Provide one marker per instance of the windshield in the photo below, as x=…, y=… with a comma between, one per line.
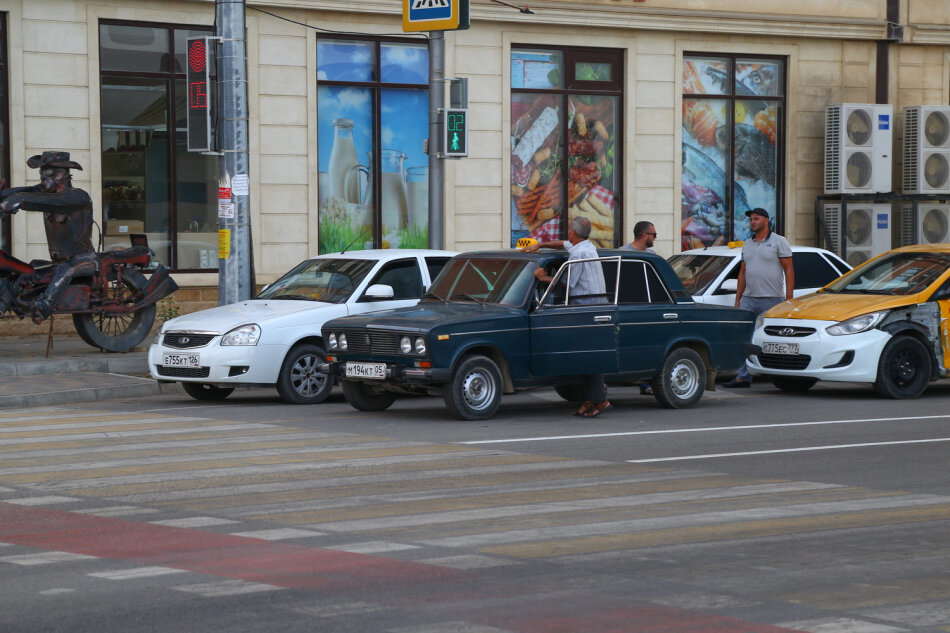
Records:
x=502, y=281
x=328, y=280
x=896, y=274
x=698, y=271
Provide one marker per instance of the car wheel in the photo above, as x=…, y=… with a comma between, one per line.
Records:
x=366, y=398
x=204, y=391
x=299, y=382
x=903, y=370
x=474, y=392
x=793, y=384
x=571, y=393
x=682, y=379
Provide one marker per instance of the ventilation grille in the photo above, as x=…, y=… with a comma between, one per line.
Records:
x=832, y=149
x=833, y=228
x=782, y=361
x=908, y=225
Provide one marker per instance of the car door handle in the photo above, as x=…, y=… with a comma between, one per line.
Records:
x=602, y=319
x=670, y=315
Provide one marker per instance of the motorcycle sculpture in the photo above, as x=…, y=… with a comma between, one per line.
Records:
x=110, y=299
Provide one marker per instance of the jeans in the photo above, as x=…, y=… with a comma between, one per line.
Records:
x=757, y=305
x=594, y=388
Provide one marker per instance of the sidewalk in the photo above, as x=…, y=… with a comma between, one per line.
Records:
x=73, y=372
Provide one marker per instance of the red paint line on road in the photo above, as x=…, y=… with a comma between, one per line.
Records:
x=278, y=564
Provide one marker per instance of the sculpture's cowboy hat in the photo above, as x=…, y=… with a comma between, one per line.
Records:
x=53, y=159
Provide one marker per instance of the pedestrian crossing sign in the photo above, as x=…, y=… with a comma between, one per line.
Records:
x=435, y=15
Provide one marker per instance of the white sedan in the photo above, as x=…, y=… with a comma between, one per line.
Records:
x=711, y=274
x=274, y=339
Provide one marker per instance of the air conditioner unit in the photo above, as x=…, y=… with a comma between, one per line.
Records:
x=858, y=141
x=933, y=223
x=927, y=149
x=866, y=232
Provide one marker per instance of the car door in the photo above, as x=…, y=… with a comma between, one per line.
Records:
x=403, y=276
x=569, y=339
x=648, y=317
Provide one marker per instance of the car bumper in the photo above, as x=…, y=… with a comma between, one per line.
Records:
x=849, y=358
x=394, y=373
x=234, y=365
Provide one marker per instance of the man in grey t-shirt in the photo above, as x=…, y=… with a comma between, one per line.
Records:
x=766, y=276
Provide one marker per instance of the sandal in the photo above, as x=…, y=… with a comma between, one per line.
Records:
x=585, y=408
x=646, y=390
x=598, y=409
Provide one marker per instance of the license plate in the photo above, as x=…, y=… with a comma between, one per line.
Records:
x=376, y=371
x=181, y=360
x=789, y=349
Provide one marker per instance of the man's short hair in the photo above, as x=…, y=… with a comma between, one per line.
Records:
x=581, y=226
x=640, y=228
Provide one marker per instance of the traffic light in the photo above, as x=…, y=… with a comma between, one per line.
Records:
x=198, y=104
x=455, y=142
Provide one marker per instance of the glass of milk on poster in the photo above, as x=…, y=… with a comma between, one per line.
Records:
x=418, y=186
x=392, y=185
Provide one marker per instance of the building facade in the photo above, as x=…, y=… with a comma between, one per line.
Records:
x=681, y=112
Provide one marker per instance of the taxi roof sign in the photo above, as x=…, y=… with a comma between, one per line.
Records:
x=435, y=15
x=525, y=242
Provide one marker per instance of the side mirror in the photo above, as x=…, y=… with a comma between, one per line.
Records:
x=729, y=286
x=378, y=292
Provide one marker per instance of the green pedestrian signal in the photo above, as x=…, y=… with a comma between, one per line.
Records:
x=456, y=133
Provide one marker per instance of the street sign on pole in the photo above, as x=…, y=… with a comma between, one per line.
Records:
x=198, y=107
x=435, y=15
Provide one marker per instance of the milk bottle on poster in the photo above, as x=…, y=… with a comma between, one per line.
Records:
x=343, y=163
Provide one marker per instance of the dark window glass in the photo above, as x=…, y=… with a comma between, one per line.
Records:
x=633, y=284
x=435, y=265
x=404, y=278
x=658, y=292
x=134, y=48
x=812, y=271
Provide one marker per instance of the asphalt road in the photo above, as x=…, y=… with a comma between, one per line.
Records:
x=755, y=511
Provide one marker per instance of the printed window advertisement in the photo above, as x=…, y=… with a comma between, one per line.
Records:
x=372, y=110
x=150, y=183
x=565, y=150
x=5, y=237
x=733, y=140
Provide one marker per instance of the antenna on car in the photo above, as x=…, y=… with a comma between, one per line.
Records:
x=355, y=239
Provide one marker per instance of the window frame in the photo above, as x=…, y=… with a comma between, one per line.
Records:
x=571, y=55
x=731, y=98
x=171, y=78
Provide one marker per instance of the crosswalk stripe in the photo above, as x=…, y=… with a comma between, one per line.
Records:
x=136, y=573
x=44, y=558
x=225, y=588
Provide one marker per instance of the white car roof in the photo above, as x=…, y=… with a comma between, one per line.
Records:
x=737, y=251
x=386, y=253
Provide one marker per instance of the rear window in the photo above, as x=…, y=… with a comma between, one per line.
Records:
x=697, y=272
x=812, y=270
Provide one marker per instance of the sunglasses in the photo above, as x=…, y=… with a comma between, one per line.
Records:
x=653, y=234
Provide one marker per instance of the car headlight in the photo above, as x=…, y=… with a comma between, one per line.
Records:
x=759, y=320
x=331, y=341
x=342, y=341
x=244, y=335
x=405, y=345
x=856, y=325
x=420, y=345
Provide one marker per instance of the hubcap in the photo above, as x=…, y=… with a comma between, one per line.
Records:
x=305, y=378
x=478, y=389
x=684, y=379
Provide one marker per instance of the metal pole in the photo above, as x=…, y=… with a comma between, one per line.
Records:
x=236, y=272
x=436, y=164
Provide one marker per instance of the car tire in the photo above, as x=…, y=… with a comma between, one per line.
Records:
x=205, y=392
x=903, y=369
x=474, y=392
x=299, y=382
x=571, y=393
x=363, y=397
x=681, y=381
x=793, y=384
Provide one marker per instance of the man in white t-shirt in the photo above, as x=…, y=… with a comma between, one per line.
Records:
x=644, y=234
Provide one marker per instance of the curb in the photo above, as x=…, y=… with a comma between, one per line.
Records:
x=56, y=393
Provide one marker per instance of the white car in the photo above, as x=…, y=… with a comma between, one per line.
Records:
x=711, y=274
x=274, y=339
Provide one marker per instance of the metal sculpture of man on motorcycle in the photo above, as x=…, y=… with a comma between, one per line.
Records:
x=112, y=304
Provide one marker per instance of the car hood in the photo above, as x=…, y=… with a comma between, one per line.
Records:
x=826, y=306
x=426, y=315
x=280, y=312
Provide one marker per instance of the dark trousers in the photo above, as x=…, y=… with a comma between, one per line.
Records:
x=594, y=389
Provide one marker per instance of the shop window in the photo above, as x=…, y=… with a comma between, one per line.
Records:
x=5, y=240
x=372, y=112
x=565, y=137
x=150, y=182
x=733, y=140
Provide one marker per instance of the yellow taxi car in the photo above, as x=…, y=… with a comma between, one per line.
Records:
x=887, y=322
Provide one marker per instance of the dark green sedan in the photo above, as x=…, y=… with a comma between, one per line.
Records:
x=488, y=327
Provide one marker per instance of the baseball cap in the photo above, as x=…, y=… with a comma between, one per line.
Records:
x=758, y=211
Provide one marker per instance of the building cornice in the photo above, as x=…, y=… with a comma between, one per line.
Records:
x=578, y=14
